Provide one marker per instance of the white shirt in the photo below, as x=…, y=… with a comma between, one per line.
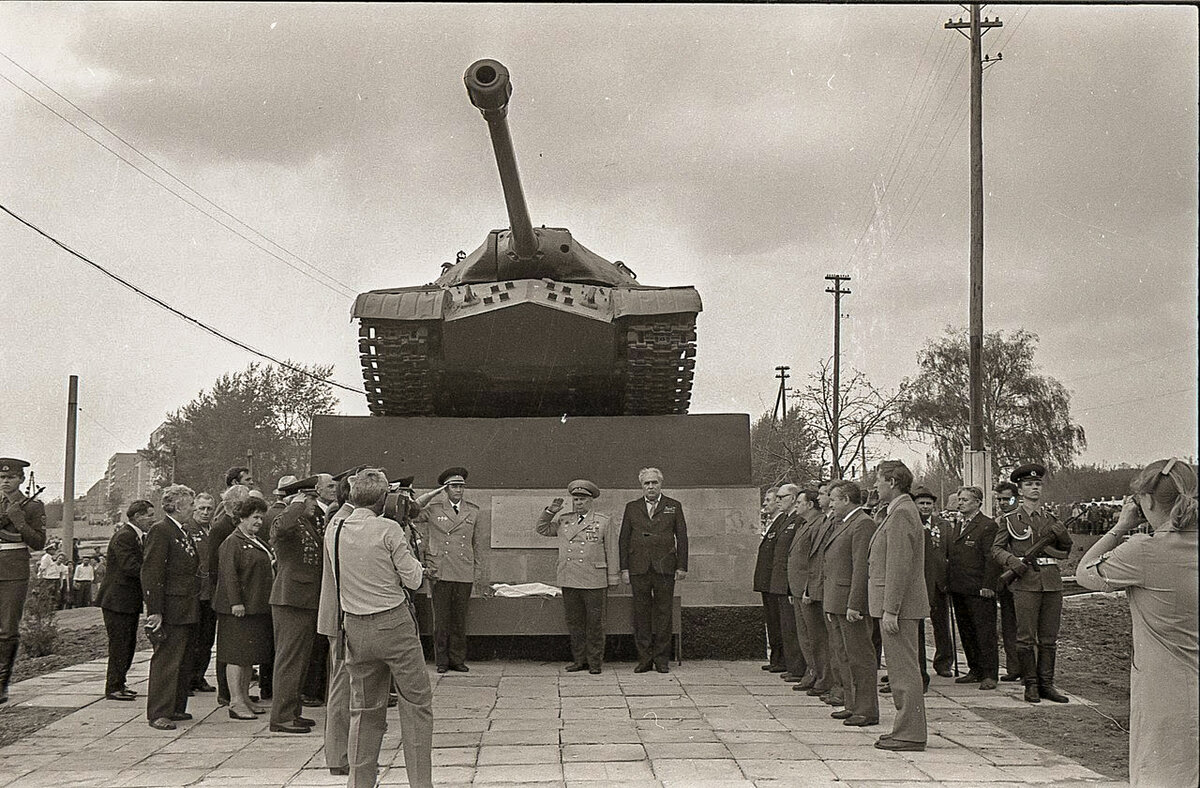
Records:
x=85, y=572
x=376, y=549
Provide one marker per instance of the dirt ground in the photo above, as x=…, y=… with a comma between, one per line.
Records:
x=1093, y=660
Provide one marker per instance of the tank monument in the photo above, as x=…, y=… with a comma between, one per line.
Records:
x=532, y=361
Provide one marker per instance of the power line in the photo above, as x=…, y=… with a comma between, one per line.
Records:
x=159, y=302
x=349, y=291
x=1160, y=395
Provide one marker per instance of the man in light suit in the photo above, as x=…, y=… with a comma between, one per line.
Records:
x=810, y=517
x=171, y=588
x=846, y=602
x=654, y=555
x=830, y=690
x=121, y=596
x=449, y=526
x=588, y=563
x=896, y=595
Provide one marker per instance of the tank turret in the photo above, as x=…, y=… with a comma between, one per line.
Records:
x=531, y=323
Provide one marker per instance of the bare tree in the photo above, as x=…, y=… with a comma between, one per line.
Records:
x=784, y=451
x=864, y=412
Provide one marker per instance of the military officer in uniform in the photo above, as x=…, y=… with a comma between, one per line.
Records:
x=588, y=563
x=793, y=657
x=763, y=567
x=295, y=597
x=654, y=555
x=22, y=529
x=170, y=585
x=452, y=534
x=1037, y=589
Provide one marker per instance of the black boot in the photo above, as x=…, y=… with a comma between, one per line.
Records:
x=1029, y=673
x=1045, y=675
x=8, y=656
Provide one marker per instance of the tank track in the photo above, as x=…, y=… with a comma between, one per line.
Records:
x=660, y=360
x=398, y=371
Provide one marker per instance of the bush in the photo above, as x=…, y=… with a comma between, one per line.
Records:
x=39, y=632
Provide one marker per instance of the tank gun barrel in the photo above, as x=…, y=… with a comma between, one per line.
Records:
x=489, y=87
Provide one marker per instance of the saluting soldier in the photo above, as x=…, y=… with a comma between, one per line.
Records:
x=588, y=563
x=449, y=526
x=22, y=529
x=1037, y=590
x=295, y=597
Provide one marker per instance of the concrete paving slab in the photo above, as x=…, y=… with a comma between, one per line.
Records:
x=716, y=723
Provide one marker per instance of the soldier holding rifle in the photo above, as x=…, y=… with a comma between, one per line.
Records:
x=22, y=529
x=1037, y=589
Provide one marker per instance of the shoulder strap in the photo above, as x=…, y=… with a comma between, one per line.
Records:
x=337, y=581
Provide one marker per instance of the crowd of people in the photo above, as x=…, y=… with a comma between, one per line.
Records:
x=70, y=581
x=314, y=591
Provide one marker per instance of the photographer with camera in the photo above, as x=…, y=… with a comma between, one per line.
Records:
x=1159, y=572
x=373, y=570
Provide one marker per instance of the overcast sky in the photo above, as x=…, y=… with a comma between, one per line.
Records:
x=747, y=151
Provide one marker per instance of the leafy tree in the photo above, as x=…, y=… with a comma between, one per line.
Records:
x=784, y=451
x=265, y=409
x=864, y=412
x=1026, y=415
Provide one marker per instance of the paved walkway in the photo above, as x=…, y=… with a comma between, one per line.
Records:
x=708, y=723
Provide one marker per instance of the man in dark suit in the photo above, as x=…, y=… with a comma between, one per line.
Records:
x=830, y=690
x=937, y=532
x=762, y=581
x=171, y=591
x=971, y=576
x=295, y=597
x=896, y=595
x=316, y=676
x=846, y=603
x=22, y=530
x=121, y=596
x=654, y=556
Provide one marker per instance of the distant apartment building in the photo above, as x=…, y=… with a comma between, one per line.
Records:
x=95, y=507
x=128, y=477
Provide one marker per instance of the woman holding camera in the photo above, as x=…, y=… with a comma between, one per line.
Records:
x=1160, y=575
x=241, y=600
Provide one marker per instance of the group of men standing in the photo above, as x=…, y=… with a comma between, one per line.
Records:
x=843, y=581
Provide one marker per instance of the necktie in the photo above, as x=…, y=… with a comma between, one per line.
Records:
x=455, y=507
x=581, y=518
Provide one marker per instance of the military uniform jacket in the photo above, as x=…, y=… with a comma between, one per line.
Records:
x=969, y=564
x=937, y=535
x=452, y=541
x=783, y=546
x=896, y=564
x=657, y=543
x=297, y=545
x=121, y=590
x=588, y=551
x=1016, y=533
x=22, y=530
x=246, y=574
x=170, y=563
x=766, y=554
x=845, y=566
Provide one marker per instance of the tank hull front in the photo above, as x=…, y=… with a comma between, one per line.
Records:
x=528, y=348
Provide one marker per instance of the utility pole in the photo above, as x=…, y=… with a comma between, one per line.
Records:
x=69, y=472
x=838, y=292
x=976, y=27
x=780, y=412
x=250, y=461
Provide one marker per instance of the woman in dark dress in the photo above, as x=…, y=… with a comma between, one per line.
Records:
x=242, y=601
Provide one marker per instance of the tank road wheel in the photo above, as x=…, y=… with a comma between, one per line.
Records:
x=397, y=369
x=659, y=365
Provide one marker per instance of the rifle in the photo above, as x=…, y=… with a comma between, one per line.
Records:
x=1035, y=552
x=4, y=526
